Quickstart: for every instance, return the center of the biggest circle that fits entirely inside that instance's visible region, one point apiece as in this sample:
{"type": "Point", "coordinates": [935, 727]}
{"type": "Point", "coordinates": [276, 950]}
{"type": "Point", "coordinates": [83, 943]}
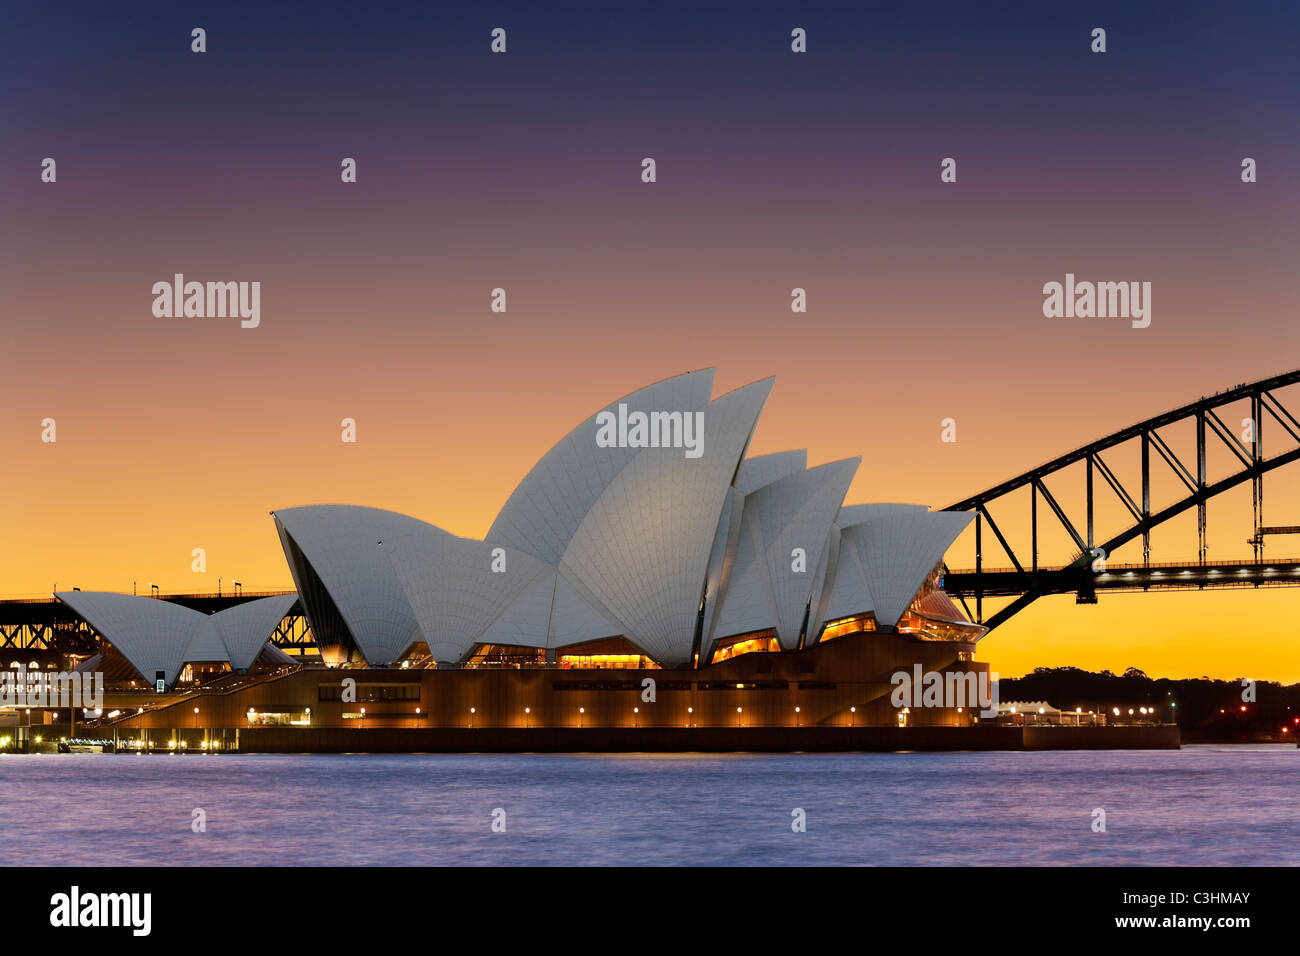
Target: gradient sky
{"type": "Point", "coordinates": [775, 170]}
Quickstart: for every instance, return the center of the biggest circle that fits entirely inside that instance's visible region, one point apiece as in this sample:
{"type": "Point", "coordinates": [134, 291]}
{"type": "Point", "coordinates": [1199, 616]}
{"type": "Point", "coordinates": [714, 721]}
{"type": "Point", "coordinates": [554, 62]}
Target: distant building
{"type": "Point", "coordinates": [1041, 712]}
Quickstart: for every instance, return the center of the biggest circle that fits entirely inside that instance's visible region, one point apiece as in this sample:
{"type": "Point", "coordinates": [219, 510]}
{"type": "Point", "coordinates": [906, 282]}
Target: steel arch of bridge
{"type": "Point", "coordinates": [1027, 581]}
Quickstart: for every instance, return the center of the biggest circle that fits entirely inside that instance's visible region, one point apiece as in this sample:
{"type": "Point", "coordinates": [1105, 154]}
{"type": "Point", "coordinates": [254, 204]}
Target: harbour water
{"type": "Point", "coordinates": [1202, 805]}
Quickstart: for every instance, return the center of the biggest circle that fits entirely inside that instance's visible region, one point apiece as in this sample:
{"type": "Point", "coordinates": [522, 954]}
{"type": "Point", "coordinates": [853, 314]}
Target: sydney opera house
{"type": "Point", "coordinates": [646, 572]}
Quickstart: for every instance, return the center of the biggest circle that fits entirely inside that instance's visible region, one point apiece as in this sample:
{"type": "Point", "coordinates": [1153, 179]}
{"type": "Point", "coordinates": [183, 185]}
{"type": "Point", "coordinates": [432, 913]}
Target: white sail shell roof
{"type": "Point", "coordinates": [764, 469]}
{"type": "Point", "coordinates": [456, 590]}
{"type": "Point", "coordinates": [343, 545]}
{"type": "Point", "coordinates": [794, 511]}
{"type": "Point", "coordinates": [544, 512]}
{"type": "Point", "coordinates": [526, 620]}
{"type": "Point", "coordinates": [150, 633]}
{"type": "Point", "coordinates": [846, 592]}
{"type": "Point", "coordinates": [156, 635]}
{"type": "Point", "coordinates": [722, 559]}
{"type": "Point", "coordinates": [642, 550]}
{"type": "Point", "coordinates": [899, 550]}
{"type": "Point", "coordinates": [576, 619]}
{"type": "Point", "coordinates": [245, 628]}
{"type": "Point", "coordinates": [797, 512]}
{"type": "Point", "coordinates": [816, 601]}
{"type": "Point", "coordinates": [842, 590]}
{"type": "Point", "coordinates": [745, 603]}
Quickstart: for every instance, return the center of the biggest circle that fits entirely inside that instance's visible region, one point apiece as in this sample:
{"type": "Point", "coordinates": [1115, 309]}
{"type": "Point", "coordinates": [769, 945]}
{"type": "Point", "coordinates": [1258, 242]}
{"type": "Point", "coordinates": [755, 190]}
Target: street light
{"type": "Point", "coordinates": [363, 718]}
{"type": "Point", "coordinates": [471, 717]}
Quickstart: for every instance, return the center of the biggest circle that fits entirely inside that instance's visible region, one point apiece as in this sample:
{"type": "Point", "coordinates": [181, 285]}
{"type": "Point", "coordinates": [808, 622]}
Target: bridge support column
{"type": "Point", "coordinates": [1200, 481]}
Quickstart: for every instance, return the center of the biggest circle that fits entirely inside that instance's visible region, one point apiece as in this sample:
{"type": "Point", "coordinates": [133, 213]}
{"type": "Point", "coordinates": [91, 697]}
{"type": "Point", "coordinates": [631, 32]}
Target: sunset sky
{"type": "Point", "coordinates": [522, 171]}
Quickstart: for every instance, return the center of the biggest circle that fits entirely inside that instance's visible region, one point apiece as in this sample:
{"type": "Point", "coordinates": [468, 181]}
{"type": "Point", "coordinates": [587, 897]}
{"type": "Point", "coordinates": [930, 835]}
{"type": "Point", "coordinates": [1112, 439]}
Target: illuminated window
{"type": "Point", "coordinates": [763, 642]}
{"type": "Point", "coordinates": [848, 625]}
{"type": "Point", "coordinates": [505, 655]}
{"type": "Point", "coordinates": [614, 652]}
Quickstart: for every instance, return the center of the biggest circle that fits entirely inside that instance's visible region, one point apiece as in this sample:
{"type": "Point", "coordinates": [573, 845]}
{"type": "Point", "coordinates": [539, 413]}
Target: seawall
{"type": "Point", "coordinates": [701, 739]}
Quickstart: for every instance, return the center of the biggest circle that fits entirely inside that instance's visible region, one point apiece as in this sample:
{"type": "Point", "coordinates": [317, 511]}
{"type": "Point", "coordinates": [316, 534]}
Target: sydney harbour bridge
{"type": "Point", "coordinates": [1246, 431]}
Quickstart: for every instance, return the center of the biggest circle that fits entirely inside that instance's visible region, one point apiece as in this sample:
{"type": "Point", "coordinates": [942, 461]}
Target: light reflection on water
{"type": "Point", "coordinates": [1201, 805]}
